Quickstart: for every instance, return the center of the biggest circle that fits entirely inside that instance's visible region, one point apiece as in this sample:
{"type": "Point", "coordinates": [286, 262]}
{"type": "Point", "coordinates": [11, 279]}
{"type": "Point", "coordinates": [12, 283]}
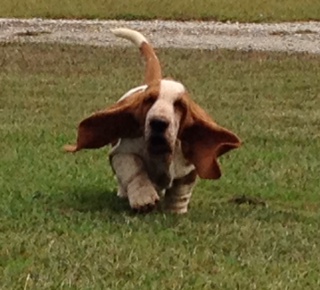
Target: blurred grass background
{"type": "Point", "coordinates": [228, 10]}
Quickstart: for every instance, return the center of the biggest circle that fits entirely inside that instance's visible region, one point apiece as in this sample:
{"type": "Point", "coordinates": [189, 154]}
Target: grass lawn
{"type": "Point", "coordinates": [62, 226]}
{"type": "Point", "coordinates": [233, 10]}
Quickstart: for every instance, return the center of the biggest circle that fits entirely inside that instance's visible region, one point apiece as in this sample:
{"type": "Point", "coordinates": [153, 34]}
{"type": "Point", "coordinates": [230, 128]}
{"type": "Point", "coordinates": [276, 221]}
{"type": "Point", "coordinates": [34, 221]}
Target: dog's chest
{"type": "Point", "coordinates": [160, 172]}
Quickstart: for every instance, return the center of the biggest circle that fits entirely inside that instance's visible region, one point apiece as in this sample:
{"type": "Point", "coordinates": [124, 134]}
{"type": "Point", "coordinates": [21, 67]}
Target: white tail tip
{"type": "Point", "coordinates": [134, 36]}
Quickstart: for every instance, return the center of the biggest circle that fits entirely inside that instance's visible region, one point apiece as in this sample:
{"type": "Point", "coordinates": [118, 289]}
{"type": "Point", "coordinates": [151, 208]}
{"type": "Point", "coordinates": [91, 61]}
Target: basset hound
{"type": "Point", "coordinates": [161, 139]}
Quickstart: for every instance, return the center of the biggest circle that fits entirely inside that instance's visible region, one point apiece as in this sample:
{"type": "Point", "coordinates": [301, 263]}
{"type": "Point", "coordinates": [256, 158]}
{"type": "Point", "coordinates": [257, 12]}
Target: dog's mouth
{"type": "Point", "coordinates": [158, 145]}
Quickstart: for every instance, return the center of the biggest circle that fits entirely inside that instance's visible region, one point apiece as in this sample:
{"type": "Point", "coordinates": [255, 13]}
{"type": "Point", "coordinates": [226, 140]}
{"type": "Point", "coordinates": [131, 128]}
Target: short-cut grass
{"type": "Point", "coordinates": [232, 10]}
{"type": "Point", "coordinates": [62, 226]}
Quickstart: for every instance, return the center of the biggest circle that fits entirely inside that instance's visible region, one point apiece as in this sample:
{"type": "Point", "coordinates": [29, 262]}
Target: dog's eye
{"type": "Point", "coordinates": [179, 105]}
{"type": "Point", "coordinates": [150, 100]}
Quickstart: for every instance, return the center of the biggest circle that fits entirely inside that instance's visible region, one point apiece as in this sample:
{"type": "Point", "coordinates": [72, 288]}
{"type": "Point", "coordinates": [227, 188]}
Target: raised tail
{"type": "Point", "coordinates": [153, 68]}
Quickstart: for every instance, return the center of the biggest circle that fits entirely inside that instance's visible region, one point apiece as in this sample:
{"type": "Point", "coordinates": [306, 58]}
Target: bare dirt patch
{"type": "Point", "coordinates": [294, 37]}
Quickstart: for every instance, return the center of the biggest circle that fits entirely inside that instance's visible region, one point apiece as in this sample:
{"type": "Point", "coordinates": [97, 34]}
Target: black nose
{"type": "Point", "coordinates": [158, 125]}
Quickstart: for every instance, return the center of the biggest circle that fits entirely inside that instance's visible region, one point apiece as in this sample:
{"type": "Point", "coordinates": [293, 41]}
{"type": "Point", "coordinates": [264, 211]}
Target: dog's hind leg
{"type": "Point", "coordinates": [177, 197]}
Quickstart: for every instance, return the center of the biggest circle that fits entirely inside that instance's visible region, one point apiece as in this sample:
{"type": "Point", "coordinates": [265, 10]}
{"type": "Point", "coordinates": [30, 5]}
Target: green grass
{"type": "Point", "coordinates": [61, 224]}
{"type": "Point", "coordinates": [233, 10]}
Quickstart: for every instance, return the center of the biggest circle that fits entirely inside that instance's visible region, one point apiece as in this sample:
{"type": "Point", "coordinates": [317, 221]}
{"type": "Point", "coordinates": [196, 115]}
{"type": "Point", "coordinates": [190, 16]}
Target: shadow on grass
{"type": "Point", "coordinates": [94, 199]}
{"type": "Point", "coordinates": [105, 202]}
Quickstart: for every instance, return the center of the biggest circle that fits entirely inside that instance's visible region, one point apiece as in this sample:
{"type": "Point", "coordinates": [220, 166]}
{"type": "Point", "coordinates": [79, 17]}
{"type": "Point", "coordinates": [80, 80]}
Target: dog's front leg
{"type": "Point", "coordinates": [134, 181]}
{"type": "Point", "coordinates": [178, 196]}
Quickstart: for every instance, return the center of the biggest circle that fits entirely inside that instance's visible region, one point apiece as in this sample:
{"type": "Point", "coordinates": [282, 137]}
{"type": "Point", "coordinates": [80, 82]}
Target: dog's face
{"type": "Point", "coordinates": [163, 118]}
{"type": "Point", "coordinates": [162, 113]}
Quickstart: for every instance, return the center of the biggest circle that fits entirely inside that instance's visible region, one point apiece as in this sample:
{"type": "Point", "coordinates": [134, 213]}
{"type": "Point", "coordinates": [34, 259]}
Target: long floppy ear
{"type": "Point", "coordinates": [122, 120]}
{"type": "Point", "coordinates": [126, 118]}
{"type": "Point", "coordinates": [203, 141]}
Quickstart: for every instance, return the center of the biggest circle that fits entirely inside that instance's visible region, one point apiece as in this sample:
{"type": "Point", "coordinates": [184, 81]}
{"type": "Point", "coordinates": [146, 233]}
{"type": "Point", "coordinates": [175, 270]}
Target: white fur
{"type": "Point", "coordinates": [134, 36]}
{"type": "Point", "coordinates": [170, 89]}
{"type": "Point", "coordinates": [132, 91]}
{"type": "Point", "coordinates": [179, 167]}
{"type": "Point", "coordinates": [135, 171]}
{"type": "Point", "coordinates": [163, 109]}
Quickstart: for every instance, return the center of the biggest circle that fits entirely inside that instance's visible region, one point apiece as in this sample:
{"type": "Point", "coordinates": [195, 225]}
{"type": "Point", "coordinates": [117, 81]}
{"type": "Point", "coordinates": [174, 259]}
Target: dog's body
{"type": "Point", "coordinates": [161, 139]}
{"type": "Point", "coordinates": [142, 179]}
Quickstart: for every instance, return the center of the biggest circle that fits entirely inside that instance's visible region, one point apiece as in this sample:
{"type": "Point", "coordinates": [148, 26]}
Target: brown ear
{"type": "Point", "coordinates": [203, 141]}
{"type": "Point", "coordinates": [122, 120]}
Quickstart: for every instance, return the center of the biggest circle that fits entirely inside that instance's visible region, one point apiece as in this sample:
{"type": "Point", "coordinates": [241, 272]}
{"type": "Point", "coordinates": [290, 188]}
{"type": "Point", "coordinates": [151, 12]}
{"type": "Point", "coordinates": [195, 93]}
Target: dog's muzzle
{"type": "Point", "coordinates": [158, 126]}
{"type": "Point", "coordinates": [158, 143]}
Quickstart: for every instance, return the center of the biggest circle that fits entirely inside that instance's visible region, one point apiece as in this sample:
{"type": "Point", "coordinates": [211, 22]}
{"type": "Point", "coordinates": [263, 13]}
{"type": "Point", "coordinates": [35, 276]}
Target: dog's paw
{"type": "Point", "coordinates": [144, 199]}
{"type": "Point", "coordinates": [122, 193]}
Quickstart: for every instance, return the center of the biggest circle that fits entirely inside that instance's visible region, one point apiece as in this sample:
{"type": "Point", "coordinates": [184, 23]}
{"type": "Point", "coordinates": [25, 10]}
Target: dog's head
{"type": "Point", "coordinates": [162, 113]}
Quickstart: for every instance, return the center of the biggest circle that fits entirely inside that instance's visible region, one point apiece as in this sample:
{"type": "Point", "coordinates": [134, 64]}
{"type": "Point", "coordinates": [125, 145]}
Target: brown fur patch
{"type": "Point", "coordinates": [153, 68]}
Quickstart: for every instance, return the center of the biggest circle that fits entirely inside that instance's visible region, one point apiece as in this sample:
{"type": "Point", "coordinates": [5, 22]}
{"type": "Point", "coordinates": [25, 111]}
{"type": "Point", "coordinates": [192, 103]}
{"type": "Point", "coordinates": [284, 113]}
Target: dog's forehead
{"type": "Point", "coordinates": [170, 90]}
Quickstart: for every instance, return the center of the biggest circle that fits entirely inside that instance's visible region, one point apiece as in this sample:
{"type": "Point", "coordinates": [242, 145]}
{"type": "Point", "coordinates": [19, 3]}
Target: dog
{"type": "Point", "coordinates": [161, 139]}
